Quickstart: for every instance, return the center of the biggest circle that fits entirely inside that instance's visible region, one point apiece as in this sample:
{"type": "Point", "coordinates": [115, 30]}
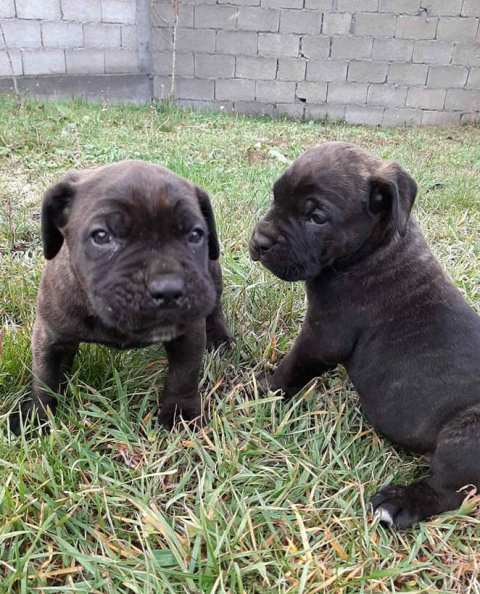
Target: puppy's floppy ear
{"type": "Point", "coordinates": [392, 190]}
{"type": "Point", "coordinates": [207, 211]}
{"type": "Point", "coordinates": [55, 208]}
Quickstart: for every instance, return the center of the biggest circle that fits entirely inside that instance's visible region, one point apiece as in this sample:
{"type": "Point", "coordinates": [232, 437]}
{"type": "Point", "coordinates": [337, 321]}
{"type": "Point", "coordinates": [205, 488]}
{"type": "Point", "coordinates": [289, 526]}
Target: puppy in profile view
{"type": "Point", "coordinates": [379, 304]}
{"type": "Point", "coordinates": [132, 260]}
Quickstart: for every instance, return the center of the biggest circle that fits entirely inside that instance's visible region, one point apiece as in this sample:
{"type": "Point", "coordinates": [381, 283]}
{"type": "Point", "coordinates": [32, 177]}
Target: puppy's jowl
{"type": "Point", "coordinates": [380, 304]}
{"type": "Point", "coordinates": [132, 260]}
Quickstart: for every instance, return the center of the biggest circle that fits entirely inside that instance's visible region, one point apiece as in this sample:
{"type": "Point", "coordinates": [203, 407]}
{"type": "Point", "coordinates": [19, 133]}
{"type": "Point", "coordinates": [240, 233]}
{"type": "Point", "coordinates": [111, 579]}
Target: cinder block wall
{"type": "Point", "coordinates": [55, 37]}
{"type": "Point", "coordinates": [389, 62]}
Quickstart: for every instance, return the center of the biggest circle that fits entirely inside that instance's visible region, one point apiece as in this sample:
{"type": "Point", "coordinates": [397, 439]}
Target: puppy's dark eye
{"type": "Point", "coordinates": [196, 235]}
{"type": "Point", "coordinates": [100, 237]}
{"type": "Point", "coordinates": [317, 217]}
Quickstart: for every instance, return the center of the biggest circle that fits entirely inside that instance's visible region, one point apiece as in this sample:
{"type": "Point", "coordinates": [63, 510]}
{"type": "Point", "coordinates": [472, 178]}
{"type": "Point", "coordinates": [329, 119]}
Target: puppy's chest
{"type": "Point", "coordinates": [98, 333]}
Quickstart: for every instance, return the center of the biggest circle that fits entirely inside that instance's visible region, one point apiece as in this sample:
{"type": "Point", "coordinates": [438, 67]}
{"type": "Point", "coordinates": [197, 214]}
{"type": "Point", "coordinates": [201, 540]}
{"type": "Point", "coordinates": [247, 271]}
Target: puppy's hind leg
{"type": "Point", "coordinates": [455, 464]}
{"type": "Point", "coordinates": [216, 326]}
{"type": "Point", "coordinates": [51, 361]}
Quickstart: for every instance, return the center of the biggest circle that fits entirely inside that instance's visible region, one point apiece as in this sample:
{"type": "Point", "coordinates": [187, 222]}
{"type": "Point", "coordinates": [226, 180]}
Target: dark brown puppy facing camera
{"type": "Point", "coordinates": [381, 305]}
{"type": "Point", "coordinates": [132, 260]}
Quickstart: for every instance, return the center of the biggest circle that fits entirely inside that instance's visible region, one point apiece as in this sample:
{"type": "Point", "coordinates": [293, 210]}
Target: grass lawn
{"type": "Point", "coordinates": [272, 496]}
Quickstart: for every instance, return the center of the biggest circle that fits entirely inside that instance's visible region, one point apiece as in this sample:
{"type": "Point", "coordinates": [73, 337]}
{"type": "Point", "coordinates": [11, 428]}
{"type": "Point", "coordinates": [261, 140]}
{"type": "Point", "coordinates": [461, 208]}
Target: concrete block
{"type": "Point", "coordinates": [467, 54]}
{"type": "Point", "coordinates": [370, 116]}
{"type": "Point", "coordinates": [327, 70]}
{"type": "Point", "coordinates": [402, 117]}
{"type": "Point", "coordinates": [346, 92]}
{"type": "Point", "coordinates": [471, 8]}
{"type": "Point", "coordinates": [255, 108]}
{"type": "Point", "coordinates": [408, 74]}
{"type": "Point", "coordinates": [126, 88]}
{"type": "Point", "coordinates": [312, 92]}
{"type": "Point", "coordinates": [251, 18]}
{"type": "Point", "coordinates": [335, 23]}
{"type": "Point", "coordinates": [416, 27]}
{"type": "Point", "coordinates": [357, 5]}
{"type": "Point", "coordinates": [393, 50]}
{"type": "Point", "coordinates": [51, 61]}
{"type": "Point", "coordinates": [121, 61]}
{"type": "Point", "coordinates": [84, 11]}
{"type": "Point", "coordinates": [7, 9]}
{"type": "Point", "coordinates": [194, 88]}
{"type": "Point", "coordinates": [195, 40]}
{"type": "Point", "coordinates": [300, 21]}
{"type": "Point", "coordinates": [376, 25]}
{"type": "Point", "coordinates": [236, 42]}
{"type": "Point", "coordinates": [215, 17]}
{"type": "Point", "coordinates": [432, 52]}
{"type": "Point", "coordinates": [22, 34]}
{"type": "Point", "coordinates": [463, 99]}
{"type": "Point", "coordinates": [282, 3]}
{"type": "Point", "coordinates": [128, 35]}
{"type": "Point", "coordinates": [197, 2]}
{"type": "Point", "coordinates": [278, 44]}
{"type": "Point", "coordinates": [163, 14]}
{"type": "Point", "coordinates": [236, 2]}
{"type": "Point", "coordinates": [161, 87]}
{"type": "Point", "coordinates": [16, 63]}
{"type": "Point", "coordinates": [387, 95]}
{"type": "Point", "coordinates": [441, 77]}
{"type": "Point", "coordinates": [440, 118]}
{"type": "Point", "coordinates": [319, 4]}
{"type": "Point", "coordinates": [290, 110]}
{"type": "Point", "coordinates": [38, 9]}
{"type": "Point", "coordinates": [256, 68]}
{"type": "Point", "coordinates": [85, 61]}
{"type": "Point", "coordinates": [291, 69]}
{"type": "Point", "coordinates": [331, 113]}
{"type": "Point", "coordinates": [235, 89]}
{"type": "Point", "coordinates": [400, 6]}
{"type": "Point", "coordinates": [162, 40]}
{"type": "Point", "coordinates": [217, 106]}
{"type": "Point", "coordinates": [442, 7]}
{"type": "Point", "coordinates": [426, 98]}
{"type": "Point", "coordinates": [102, 35]}
{"type": "Point", "coordinates": [119, 11]}
{"type": "Point", "coordinates": [474, 79]}
{"type": "Point", "coordinates": [196, 105]}
{"type": "Point", "coordinates": [375, 72]}
{"type": "Point", "coordinates": [162, 64]}
{"type": "Point", "coordinates": [275, 91]}
{"type": "Point", "coordinates": [457, 28]}
{"type": "Point", "coordinates": [61, 34]}
{"type": "Point", "coordinates": [351, 47]}
{"type": "Point", "coordinates": [315, 46]}
{"type": "Point", "coordinates": [470, 118]}
{"type": "Point", "coordinates": [214, 66]}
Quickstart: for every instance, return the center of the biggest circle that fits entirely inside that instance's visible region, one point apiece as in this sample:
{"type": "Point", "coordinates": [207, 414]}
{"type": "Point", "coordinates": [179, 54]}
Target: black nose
{"type": "Point", "coordinates": [167, 290]}
{"type": "Point", "coordinates": [262, 242]}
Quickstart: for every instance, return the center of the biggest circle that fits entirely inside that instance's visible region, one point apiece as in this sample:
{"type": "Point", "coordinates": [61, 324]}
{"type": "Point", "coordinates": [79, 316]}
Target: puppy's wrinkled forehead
{"type": "Point", "coordinates": [147, 194]}
{"type": "Point", "coordinates": [336, 168]}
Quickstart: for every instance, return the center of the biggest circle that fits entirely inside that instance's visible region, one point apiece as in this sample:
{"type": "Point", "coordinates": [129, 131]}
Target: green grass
{"type": "Point", "coordinates": [272, 496]}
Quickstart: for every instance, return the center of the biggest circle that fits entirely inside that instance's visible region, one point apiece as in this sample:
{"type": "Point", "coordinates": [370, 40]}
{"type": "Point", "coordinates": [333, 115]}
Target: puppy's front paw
{"type": "Point", "coordinates": [15, 423]}
{"type": "Point", "coordinates": [263, 381]}
{"type": "Point", "coordinates": [27, 418]}
{"type": "Point", "coordinates": [174, 409]}
{"type": "Point", "coordinates": [402, 506]}
{"type": "Point", "coordinates": [219, 336]}
{"type": "Point", "coordinates": [267, 382]}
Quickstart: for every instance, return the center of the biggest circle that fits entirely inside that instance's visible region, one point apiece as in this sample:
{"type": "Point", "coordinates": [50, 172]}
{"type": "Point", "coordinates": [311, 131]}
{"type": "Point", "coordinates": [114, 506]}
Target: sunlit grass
{"type": "Point", "coordinates": [272, 496]}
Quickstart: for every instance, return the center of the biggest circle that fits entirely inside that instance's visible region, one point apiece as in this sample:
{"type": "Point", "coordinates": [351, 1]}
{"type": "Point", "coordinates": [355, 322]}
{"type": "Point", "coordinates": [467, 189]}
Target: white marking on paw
{"type": "Point", "coordinates": [384, 516]}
